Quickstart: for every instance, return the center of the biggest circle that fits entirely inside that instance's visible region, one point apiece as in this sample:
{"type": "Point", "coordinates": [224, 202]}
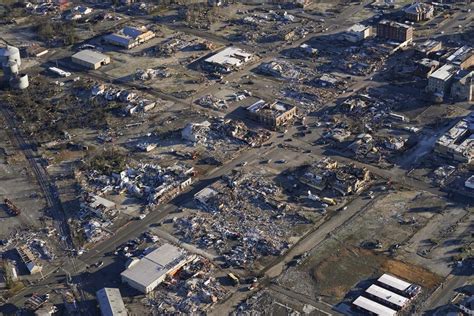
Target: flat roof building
{"type": "Point", "coordinates": [373, 308]}
{"type": "Point", "coordinates": [395, 31]}
{"type": "Point", "coordinates": [440, 81]}
{"type": "Point", "coordinates": [228, 59]}
{"type": "Point", "coordinates": [398, 285]}
{"type": "Point", "coordinates": [272, 114]}
{"type": "Point", "coordinates": [146, 274]}
{"type": "Point", "coordinates": [463, 57]}
{"type": "Point", "coordinates": [357, 33]}
{"type": "Point", "coordinates": [110, 302]}
{"type": "Point", "coordinates": [90, 59]}
{"type": "Point", "coordinates": [387, 297]}
{"type": "Point", "coordinates": [458, 143]}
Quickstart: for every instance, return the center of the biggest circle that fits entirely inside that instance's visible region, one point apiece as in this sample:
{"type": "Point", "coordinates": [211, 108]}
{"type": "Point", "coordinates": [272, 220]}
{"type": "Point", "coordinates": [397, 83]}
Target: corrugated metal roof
{"type": "Point", "coordinates": [373, 307]}
{"type": "Point", "coordinates": [387, 295]}
{"type": "Point", "coordinates": [394, 282]}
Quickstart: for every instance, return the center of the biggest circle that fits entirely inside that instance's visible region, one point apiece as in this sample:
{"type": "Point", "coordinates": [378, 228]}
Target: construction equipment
{"type": "Point", "coordinates": [12, 209]}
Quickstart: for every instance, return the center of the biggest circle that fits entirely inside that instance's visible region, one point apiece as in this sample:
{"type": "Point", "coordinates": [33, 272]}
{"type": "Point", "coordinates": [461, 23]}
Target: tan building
{"type": "Point", "coordinates": [463, 57]}
{"type": "Point", "coordinates": [90, 59]}
{"type": "Point", "coordinates": [462, 88]}
{"type": "Point", "coordinates": [419, 12]}
{"type": "Point", "coordinates": [395, 31]}
{"type": "Point", "coordinates": [272, 114]}
{"type": "Point", "coordinates": [129, 37]}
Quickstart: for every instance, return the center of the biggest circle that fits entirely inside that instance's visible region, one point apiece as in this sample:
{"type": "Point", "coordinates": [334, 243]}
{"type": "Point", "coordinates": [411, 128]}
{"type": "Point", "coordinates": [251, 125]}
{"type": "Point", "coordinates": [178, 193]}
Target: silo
{"type": "Point", "coordinates": [19, 82]}
{"type": "Point", "coordinates": [10, 54]}
{"type": "Point", "coordinates": [10, 69]}
{"type": "Point", "coordinates": [23, 81]}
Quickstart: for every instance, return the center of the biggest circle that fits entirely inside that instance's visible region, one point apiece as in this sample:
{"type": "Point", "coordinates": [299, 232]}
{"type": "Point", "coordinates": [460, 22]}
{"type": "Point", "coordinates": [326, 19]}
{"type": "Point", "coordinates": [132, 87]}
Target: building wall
{"type": "Point", "coordinates": [394, 32]}
{"type": "Point", "coordinates": [469, 62]}
{"type": "Point", "coordinates": [463, 92]}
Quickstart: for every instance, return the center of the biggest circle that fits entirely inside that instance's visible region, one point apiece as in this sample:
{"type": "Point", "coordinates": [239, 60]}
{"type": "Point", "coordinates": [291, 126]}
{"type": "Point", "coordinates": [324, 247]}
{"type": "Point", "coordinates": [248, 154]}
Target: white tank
{"type": "Point", "coordinates": [10, 69]}
{"type": "Point", "coordinates": [19, 82]}
{"type": "Point", "coordinates": [10, 54]}
{"type": "Point", "coordinates": [23, 81]}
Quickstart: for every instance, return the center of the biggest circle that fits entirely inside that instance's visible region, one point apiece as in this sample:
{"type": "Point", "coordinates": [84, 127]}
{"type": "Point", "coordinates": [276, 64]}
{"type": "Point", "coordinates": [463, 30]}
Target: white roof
{"type": "Point", "coordinates": [154, 265]}
{"type": "Point", "coordinates": [110, 302]}
{"type": "Point", "coordinates": [387, 295]}
{"type": "Point", "coordinates": [98, 200]}
{"type": "Point", "coordinates": [373, 307]}
{"type": "Point", "coordinates": [444, 73]}
{"type": "Point", "coordinates": [229, 56]}
{"type": "Point", "coordinates": [394, 282]}
{"type": "Point", "coordinates": [356, 28]}
{"type": "Point", "coordinates": [90, 56]}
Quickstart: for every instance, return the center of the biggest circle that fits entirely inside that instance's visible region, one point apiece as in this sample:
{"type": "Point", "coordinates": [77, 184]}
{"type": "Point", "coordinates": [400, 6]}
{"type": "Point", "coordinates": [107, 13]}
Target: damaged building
{"type": "Point", "coordinates": [329, 175]}
{"type": "Point", "coordinates": [227, 60]}
{"type": "Point", "coordinates": [458, 143]}
{"type": "Point", "coordinates": [274, 114]}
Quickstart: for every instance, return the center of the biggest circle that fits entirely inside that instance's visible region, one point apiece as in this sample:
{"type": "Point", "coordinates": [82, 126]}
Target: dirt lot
{"type": "Point", "coordinates": [346, 259]}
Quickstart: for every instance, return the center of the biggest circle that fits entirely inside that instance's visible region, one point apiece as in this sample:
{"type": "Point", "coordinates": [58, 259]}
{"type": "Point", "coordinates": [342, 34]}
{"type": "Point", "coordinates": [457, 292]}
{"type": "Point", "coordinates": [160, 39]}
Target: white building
{"type": "Point", "coordinates": [458, 143]}
{"type": "Point", "coordinates": [110, 302]}
{"type": "Point", "coordinates": [228, 59]}
{"type": "Point", "coordinates": [357, 33]}
{"type": "Point", "coordinates": [90, 59]}
{"type": "Point", "coordinates": [373, 308]}
{"type": "Point", "coordinates": [146, 274]}
{"type": "Point", "coordinates": [439, 81]}
{"type": "Point", "coordinates": [389, 298]}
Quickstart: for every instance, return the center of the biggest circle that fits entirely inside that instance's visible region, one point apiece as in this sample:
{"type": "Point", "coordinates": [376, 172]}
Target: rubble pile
{"type": "Point", "coordinates": [133, 104]}
{"type": "Point", "coordinates": [284, 69]}
{"type": "Point", "coordinates": [194, 289]}
{"type": "Point", "coordinates": [212, 102]}
{"type": "Point", "coordinates": [178, 42]}
{"type": "Point", "coordinates": [152, 183]}
{"type": "Point", "coordinates": [221, 132]}
{"type": "Point", "coordinates": [149, 74]}
{"type": "Point", "coordinates": [333, 179]}
{"type": "Point", "coordinates": [244, 218]}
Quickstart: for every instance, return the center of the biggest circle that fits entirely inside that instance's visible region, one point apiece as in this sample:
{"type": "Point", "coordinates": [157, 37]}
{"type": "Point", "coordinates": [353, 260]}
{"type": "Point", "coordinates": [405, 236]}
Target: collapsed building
{"type": "Point", "coordinates": [147, 273]}
{"type": "Point", "coordinates": [211, 132]}
{"type": "Point", "coordinates": [328, 174]}
{"type": "Point", "coordinates": [29, 260]}
{"type": "Point", "coordinates": [227, 60]}
{"type": "Point", "coordinates": [458, 143]}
